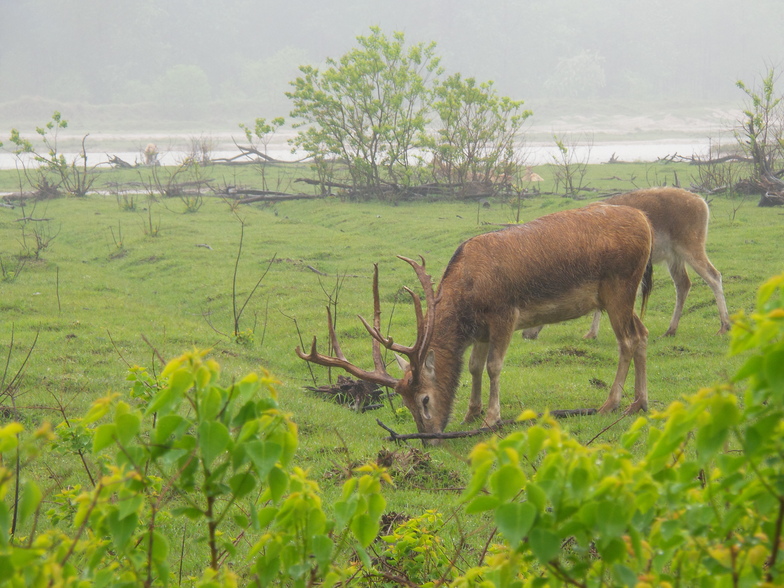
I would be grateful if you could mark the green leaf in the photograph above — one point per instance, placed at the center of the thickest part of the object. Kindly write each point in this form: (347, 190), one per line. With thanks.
(210, 404)
(265, 516)
(104, 436)
(127, 426)
(213, 440)
(168, 425)
(376, 504)
(514, 520)
(121, 529)
(536, 496)
(189, 512)
(481, 504)
(160, 547)
(365, 529)
(29, 501)
(322, 550)
(169, 398)
(264, 455)
(242, 484)
(774, 369)
(545, 544)
(507, 482)
(278, 481)
(130, 505)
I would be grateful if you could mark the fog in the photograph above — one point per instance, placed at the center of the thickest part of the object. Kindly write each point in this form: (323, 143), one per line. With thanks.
(613, 69)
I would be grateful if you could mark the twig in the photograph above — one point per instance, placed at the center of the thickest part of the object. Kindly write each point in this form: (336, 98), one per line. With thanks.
(607, 428)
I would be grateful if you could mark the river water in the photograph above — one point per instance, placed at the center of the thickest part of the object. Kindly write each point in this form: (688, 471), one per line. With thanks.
(173, 149)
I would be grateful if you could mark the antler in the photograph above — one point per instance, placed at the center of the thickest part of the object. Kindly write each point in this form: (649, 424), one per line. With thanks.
(414, 353)
(379, 375)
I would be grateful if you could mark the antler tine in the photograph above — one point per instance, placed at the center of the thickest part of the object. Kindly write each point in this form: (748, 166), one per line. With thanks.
(379, 375)
(375, 330)
(424, 325)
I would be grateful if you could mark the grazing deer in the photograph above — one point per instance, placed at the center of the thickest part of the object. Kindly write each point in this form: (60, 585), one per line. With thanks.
(552, 269)
(680, 226)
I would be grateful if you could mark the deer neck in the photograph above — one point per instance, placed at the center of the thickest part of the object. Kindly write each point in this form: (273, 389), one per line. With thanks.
(449, 344)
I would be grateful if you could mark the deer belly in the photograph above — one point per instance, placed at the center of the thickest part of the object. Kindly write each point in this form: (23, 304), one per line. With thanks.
(564, 307)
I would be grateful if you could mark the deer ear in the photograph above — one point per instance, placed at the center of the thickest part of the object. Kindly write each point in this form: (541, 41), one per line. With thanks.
(402, 363)
(430, 363)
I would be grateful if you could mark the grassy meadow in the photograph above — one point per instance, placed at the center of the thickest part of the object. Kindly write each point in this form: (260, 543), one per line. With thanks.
(122, 283)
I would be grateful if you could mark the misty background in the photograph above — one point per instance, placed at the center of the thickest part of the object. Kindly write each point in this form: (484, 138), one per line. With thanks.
(650, 69)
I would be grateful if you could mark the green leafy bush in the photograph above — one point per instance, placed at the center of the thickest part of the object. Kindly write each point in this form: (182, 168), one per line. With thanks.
(703, 507)
(214, 460)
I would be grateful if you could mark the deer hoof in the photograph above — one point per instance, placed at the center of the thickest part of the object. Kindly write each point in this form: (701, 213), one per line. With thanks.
(608, 407)
(637, 406)
(472, 415)
(670, 333)
(723, 330)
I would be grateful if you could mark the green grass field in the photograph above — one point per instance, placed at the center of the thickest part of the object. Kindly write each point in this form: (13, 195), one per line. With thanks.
(104, 293)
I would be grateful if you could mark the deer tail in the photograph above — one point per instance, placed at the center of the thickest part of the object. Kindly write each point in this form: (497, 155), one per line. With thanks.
(646, 286)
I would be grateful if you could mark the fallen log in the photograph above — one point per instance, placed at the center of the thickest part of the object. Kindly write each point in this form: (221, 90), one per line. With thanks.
(769, 199)
(269, 196)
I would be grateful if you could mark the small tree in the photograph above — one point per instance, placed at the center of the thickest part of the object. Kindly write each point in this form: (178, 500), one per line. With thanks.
(761, 133)
(74, 178)
(476, 138)
(570, 170)
(369, 108)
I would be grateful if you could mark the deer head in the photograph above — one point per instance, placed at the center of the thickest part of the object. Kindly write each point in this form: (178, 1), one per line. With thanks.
(419, 368)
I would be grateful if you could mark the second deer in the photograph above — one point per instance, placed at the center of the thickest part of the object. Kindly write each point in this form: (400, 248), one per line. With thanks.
(680, 227)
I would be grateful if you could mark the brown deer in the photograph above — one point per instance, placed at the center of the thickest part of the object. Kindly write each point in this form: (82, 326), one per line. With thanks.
(552, 269)
(680, 226)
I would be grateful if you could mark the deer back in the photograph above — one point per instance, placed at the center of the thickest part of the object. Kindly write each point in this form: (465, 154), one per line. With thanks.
(679, 218)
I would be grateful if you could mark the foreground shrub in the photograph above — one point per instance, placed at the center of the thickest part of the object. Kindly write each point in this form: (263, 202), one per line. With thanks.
(703, 507)
(211, 464)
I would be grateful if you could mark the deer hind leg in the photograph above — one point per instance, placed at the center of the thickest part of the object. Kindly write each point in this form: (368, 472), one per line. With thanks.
(593, 332)
(632, 339)
(476, 367)
(640, 368)
(712, 277)
(682, 286)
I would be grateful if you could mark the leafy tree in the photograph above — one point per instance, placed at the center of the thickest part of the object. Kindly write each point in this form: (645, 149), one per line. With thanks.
(369, 108)
(55, 172)
(761, 133)
(478, 128)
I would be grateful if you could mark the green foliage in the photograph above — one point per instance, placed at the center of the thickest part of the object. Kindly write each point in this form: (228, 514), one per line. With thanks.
(74, 178)
(189, 451)
(761, 133)
(477, 133)
(704, 506)
(369, 108)
(416, 552)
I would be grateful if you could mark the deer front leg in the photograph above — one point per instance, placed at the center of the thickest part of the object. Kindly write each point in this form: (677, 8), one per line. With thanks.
(476, 366)
(495, 363)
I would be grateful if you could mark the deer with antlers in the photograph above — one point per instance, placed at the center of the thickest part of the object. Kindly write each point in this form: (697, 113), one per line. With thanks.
(555, 268)
(680, 227)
